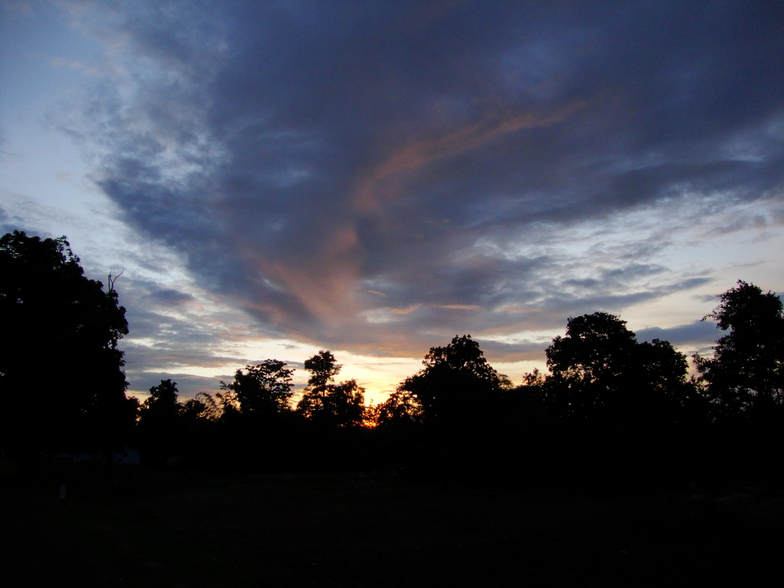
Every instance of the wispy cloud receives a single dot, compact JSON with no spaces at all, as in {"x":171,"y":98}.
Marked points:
{"x":377,"y":177}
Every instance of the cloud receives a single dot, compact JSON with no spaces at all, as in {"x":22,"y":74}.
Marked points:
{"x":171,"y":297}
{"x":187,"y":384}
{"x":468,"y":166}
{"x":405,"y":311}
{"x":697,"y":332}
{"x":18,"y":8}
{"x":422,"y":153}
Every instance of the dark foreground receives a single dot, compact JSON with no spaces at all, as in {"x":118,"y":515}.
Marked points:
{"x":177,"y":530}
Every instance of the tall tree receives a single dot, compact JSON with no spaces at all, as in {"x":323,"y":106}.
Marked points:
{"x":620,"y":409}
{"x":262,"y":391}
{"x":323,"y":368}
{"x":201,"y":407}
{"x":327,"y":403}
{"x":457,"y":381}
{"x":455,"y":397}
{"x":746,"y":372}
{"x":600,"y":371}
{"x":400,"y":410}
{"x":162,"y":404}
{"x":62,"y":383}
{"x":159,"y":423}
{"x":596,"y":348}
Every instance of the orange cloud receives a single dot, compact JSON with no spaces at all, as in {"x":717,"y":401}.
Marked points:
{"x":407,"y":310}
{"x":324,"y":285}
{"x":371,"y":189}
{"x":458,"y":306}
{"x":519,"y":309}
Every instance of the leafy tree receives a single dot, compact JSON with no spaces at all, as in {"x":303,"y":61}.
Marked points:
{"x":201,"y":407}
{"x":160,"y":424}
{"x":600,"y":371}
{"x":457,"y":381}
{"x":400,"y":410}
{"x":745,"y":374}
{"x":323,"y":368}
{"x":327,"y":403}
{"x":456,"y":398}
{"x":56,"y":318}
{"x":398,"y":433}
{"x":533,"y":379}
{"x":590,"y":366}
{"x":162,"y":404}
{"x":262,"y":391}
{"x":619,"y":409}
{"x":596,"y":349}
{"x":201,"y":438}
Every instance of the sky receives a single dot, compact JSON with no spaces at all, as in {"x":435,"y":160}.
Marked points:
{"x":374,"y":178}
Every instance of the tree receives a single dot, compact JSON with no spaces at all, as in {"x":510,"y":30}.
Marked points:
{"x":400,"y":410}
{"x":159,"y":422}
{"x":596,"y":349}
{"x":745,"y":374}
{"x":201,"y":407}
{"x":162,"y":404}
{"x":591,"y":366}
{"x":62,"y":384}
{"x":456,"y":382}
{"x":323,"y":368}
{"x":261,"y":393}
{"x":455,"y":396}
{"x":619,"y":409}
{"x":327,"y":403}
{"x":600,"y":371}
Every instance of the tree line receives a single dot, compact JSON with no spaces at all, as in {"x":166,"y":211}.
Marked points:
{"x":609,"y":408}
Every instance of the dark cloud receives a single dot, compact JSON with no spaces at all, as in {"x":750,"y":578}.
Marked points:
{"x":514,"y":351}
{"x":682,"y":335}
{"x":444,"y":156}
{"x":170,"y":297}
{"x":3,"y":143}
{"x":173,"y":342}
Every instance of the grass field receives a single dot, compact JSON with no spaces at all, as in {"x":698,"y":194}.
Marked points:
{"x":165,"y":529}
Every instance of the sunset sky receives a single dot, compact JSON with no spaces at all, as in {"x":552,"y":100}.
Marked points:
{"x":274,"y":178}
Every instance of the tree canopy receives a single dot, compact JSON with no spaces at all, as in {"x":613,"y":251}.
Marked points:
{"x":400,"y":410}
{"x":745,"y":373}
{"x":600,"y":371}
{"x":327,"y":403}
{"x":162,"y":404}
{"x":596,"y":348}
{"x":262,"y":391}
{"x":62,"y":383}
{"x":456,"y":380}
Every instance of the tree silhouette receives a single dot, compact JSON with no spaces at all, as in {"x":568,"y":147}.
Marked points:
{"x":327,"y":403}
{"x":201,"y":407}
{"x":159,"y":423}
{"x":590,"y":363}
{"x":162,"y":404}
{"x":599,"y":370}
{"x":619,"y":405}
{"x":599,"y":367}
{"x":455,"y":397}
{"x":401,"y":410}
{"x":323,"y":368}
{"x":456,"y":382}
{"x":745,"y":374}
{"x":54,"y":316}
{"x":262,"y":391}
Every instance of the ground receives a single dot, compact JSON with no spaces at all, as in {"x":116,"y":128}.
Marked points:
{"x":193,"y":530}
